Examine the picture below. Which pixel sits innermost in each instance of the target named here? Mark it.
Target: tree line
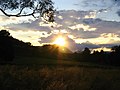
(11, 48)
(100, 57)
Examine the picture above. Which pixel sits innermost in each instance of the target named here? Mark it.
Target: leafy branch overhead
(35, 8)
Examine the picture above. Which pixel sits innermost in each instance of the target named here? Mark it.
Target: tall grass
(14, 77)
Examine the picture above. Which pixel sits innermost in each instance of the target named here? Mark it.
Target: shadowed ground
(41, 77)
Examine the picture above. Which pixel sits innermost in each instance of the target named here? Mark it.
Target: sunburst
(60, 41)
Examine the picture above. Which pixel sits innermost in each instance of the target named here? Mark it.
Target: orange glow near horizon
(60, 41)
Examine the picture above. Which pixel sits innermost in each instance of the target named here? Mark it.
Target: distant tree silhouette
(86, 51)
(28, 43)
(4, 33)
(95, 56)
(116, 49)
(102, 58)
(115, 55)
(95, 52)
(44, 8)
(85, 55)
(6, 46)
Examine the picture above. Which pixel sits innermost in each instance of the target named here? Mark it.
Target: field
(67, 75)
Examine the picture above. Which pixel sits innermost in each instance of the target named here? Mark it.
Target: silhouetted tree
(102, 58)
(116, 49)
(6, 46)
(44, 8)
(28, 43)
(115, 55)
(85, 55)
(95, 52)
(86, 51)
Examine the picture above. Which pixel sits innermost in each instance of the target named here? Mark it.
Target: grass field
(48, 74)
(42, 61)
(14, 77)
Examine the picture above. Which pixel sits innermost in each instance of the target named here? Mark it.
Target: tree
(4, 33)
(116, 49)
(86, 51)
(44, 8)
(6, 46)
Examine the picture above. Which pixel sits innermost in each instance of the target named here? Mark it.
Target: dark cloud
(117, 2)
(95, 3)
(94, 46)
(87, 44)
(118, 13)
(90, 21)
(25, 26)
(85, 34)
(108, 45)
(99, 2)
(101, 5)
(103, 10)
(103, 26)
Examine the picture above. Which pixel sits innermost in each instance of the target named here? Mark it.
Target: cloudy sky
(83, 23)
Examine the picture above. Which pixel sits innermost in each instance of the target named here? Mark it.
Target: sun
(60, 41)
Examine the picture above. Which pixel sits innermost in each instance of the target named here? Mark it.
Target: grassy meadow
(57, 75)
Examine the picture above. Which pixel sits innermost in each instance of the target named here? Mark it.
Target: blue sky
(86, 5)
(66, 4)
(83, 23)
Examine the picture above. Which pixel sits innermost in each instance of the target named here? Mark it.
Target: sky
(83, 23)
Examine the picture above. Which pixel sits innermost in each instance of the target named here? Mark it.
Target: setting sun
(59, 41)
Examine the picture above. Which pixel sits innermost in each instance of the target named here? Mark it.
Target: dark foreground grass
(18, 77)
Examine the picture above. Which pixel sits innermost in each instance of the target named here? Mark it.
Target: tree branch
(20, 11)
(19, 14)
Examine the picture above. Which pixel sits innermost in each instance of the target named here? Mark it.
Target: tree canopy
(35, 8)
(4, 33)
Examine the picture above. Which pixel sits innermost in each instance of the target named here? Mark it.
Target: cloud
(26, 26)
(102, 10)
(118, 13)
(60, 17)
(116, 2)
(105, 38)
(109, 35)
(87, 44)
(109, 38)
(101, 6)
(82, 27)
(90, 21)
(96, 3)
(91, 32)
(4, 20)
(29, 36)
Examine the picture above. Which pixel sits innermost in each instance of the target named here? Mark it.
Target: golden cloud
(105, 38)
(29, 36)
